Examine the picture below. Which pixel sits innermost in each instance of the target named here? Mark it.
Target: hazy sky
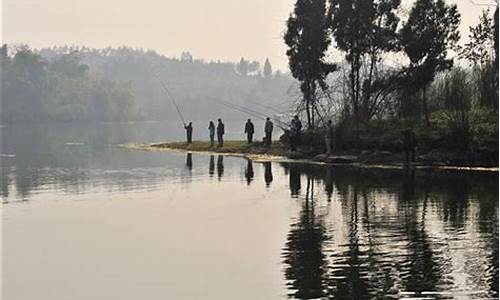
(213, 30)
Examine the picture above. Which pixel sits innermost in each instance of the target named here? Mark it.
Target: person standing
(329, 134)
(220, 133)
(189, 132)
(292, 136)
(249, 130)
(298, 128)
(211, 132)
(268, 130)
(409, 144)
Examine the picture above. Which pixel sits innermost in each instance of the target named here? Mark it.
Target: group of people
(268, 131)
(294, 133)
(220, 130)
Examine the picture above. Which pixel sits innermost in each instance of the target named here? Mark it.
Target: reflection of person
(189, 161)
(211, 132)
(220, 166)
(268, 130)
(220, 133)
(268, 173)
(249, 130)
(211, 166)
(294, 180)
(329, 183)
(408, 188)
(249, 171)
(189, 132)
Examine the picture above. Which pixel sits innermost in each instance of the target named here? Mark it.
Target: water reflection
(211, 166)
(391, 234)
(293, 179)
(220, 166)
(358, 233)
(268, 173)
(189, 161)
(303, 253)
(249, 171)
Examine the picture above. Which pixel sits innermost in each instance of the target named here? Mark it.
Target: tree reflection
(389, 238)
(303, 253)
(422, 271)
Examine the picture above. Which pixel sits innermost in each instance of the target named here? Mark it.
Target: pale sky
(210, 29)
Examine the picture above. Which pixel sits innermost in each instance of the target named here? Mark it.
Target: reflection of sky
(132, 223)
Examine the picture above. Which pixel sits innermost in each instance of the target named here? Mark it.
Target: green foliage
(430, 31)
(363, 30)
(480, 48)
(307, 39)
(36, 90)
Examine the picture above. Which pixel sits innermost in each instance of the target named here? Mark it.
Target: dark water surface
(85, 219)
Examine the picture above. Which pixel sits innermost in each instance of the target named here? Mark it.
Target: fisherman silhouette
(249, 172)
(298, 129)
(189, 132)
(220, 133)
(409, 144)
(249, 130)
(268, 129)
(268, 173)
(211, 132)
(292, 135)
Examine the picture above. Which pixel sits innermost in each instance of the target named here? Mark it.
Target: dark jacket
(220, 128)
(268, 128)
(211, 129)
(330, 133)
(249, 128)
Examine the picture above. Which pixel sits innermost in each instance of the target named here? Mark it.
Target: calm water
(85, 219)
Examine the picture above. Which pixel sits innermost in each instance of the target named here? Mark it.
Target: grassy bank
(235, 147)
(314, 154)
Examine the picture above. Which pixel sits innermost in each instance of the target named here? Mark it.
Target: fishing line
(172, 98)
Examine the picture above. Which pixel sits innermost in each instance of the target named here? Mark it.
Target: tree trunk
(353, 90)
(426, 110)
(308, 111)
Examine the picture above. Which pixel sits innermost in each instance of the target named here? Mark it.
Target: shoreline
(278, 152)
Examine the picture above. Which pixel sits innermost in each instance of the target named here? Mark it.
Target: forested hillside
(121, 84)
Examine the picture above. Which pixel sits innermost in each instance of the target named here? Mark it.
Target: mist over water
(86, 219)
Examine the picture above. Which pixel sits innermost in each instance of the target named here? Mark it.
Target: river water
(83, 218)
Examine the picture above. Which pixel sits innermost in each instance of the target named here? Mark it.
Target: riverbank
(280, 151)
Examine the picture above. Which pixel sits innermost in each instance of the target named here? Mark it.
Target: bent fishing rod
(250, 112)
(172, 98)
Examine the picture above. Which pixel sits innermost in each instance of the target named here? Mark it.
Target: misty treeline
(375, 66)
(37, 90)
(67, 83)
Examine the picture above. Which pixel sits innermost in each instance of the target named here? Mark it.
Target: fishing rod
(172, 99)
(265, 106)
(251, 112)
